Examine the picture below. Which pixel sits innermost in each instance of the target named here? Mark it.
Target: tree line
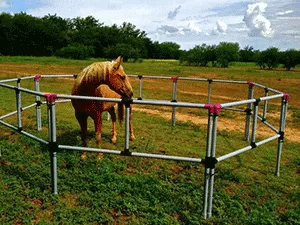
(80, 38)
(224, 53)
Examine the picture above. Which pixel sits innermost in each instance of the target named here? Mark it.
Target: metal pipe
(207, 169)
(248, 112)
(8, 115)
(235, 109)
(19, 105)
(283, 113)
(212, 170)
(52, 141)
(77, 148)
(140, 87)
(127, 117)
(247, 148)
(56, 75)
(209, 91)
(254, 123)
(23, 132)
(135, 101)
(174, 99)
(136, 154)
(265, 105)
(270, 89)
(268, 124)
(38, 103)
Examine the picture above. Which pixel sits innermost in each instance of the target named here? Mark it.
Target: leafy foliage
(76, 52)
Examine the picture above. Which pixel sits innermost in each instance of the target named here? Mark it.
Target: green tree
(290, 58)
(246, 54)
(268, 58)
(76, 51)
(199, 55)
(226, 53)
(166, 50)
(125, 50)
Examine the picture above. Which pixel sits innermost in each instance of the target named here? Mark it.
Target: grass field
(124, 190)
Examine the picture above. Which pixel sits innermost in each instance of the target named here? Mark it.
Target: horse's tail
(120, 112)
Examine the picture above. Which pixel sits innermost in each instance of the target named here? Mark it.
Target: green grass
(125, 190)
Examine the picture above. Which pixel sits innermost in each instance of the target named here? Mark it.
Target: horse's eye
(123, 77)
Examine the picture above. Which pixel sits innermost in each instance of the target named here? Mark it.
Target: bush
(76, 52)
(125, 50)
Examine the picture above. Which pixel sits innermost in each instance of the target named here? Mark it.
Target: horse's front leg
(82, 120)
(98, 126)
(132, 137)
(114, 127)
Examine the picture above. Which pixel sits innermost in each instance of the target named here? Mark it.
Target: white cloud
(193, 27)
(285, 12)
(257, 23)
(4, 4)
(190, 22)
(221, 26)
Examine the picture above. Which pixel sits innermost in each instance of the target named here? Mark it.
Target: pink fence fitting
(50, 97)
(37, 77)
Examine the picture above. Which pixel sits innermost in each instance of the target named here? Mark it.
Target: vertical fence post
(249, 111)
(284, 104)
(174, 98)
(19, 105)
(265, 105)
(127, 102)
(209, 91)
(207, 169)
(53, 147)
(254, 123)
(38, 102)
(210, 158)
(140, 87)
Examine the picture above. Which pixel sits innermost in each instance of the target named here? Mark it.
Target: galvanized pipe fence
(211, 158)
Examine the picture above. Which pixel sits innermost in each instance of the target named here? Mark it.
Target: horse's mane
(93, 74)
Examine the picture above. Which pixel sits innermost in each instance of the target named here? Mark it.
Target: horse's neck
(94, 75)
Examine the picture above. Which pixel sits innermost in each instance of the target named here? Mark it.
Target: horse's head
(118, 80)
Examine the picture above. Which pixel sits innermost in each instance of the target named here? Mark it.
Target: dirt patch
(225, 124)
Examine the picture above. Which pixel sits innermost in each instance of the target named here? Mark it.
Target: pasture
(124, 190)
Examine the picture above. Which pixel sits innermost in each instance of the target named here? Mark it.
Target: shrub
(76, 51)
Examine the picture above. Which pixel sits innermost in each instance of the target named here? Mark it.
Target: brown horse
(105, 92)
(87, 84)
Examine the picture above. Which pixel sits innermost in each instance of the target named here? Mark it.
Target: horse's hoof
(114, 140)
(100, 156)
(83, 156)
(132, 138)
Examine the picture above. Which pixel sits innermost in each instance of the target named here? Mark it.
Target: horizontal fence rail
(250, 107)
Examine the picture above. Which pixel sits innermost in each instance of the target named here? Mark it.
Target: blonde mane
(94, 74)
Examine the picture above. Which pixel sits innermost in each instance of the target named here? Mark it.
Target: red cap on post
(50, 97)
(37, 77)
(286, 97)
(174, 78)
(250, 83)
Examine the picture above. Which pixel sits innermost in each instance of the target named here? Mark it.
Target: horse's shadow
(73, 138)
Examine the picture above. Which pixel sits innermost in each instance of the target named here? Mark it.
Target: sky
(257, 23)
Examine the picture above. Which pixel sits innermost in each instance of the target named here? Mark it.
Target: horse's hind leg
(113, 120)
(82, 120)
(98, 126)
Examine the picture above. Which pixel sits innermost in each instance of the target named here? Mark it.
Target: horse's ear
(118, 62)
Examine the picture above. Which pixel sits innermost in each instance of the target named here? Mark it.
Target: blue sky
(261, 24)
